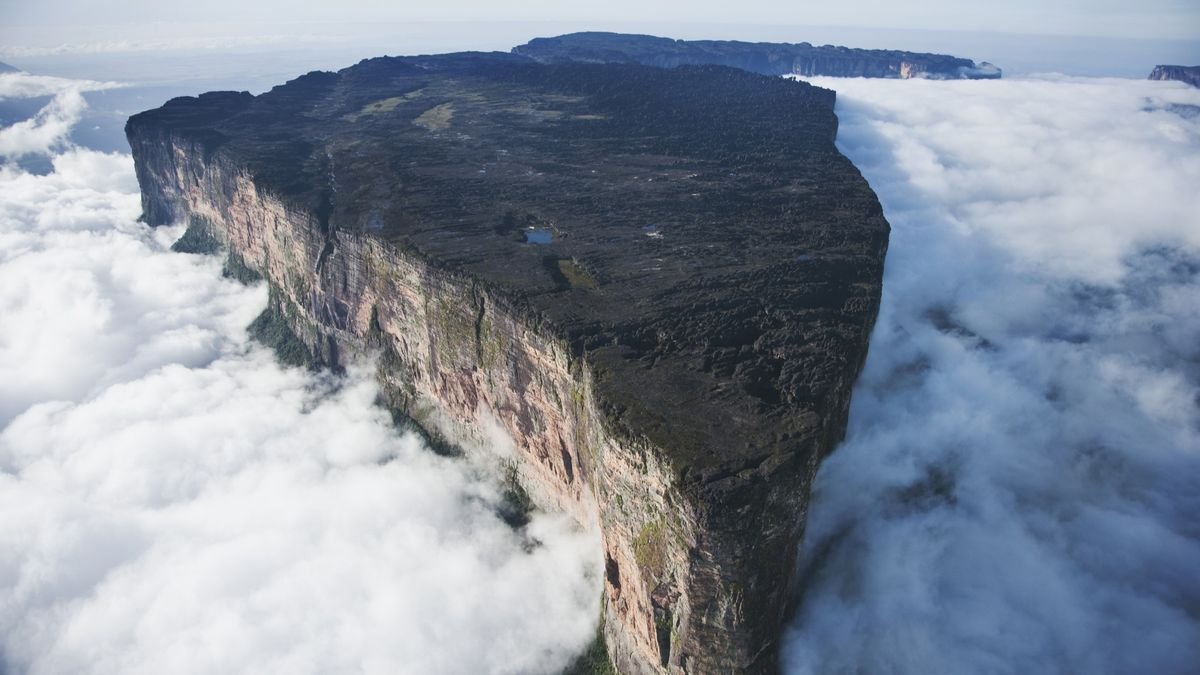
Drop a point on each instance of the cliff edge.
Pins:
(1186, 74)
(767, 58)
(659, 283)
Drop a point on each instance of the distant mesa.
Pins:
(1188, 74)
(767, 58)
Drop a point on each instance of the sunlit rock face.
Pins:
(658, 284)
(767, 58)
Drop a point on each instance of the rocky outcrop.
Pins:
(659, 284)
(1187, 74)
(766, 58)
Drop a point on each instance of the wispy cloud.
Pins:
(49, 129)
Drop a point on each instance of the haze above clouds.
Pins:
(1114, 18)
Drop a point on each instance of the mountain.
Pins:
(767, 58)
(1188, 74)
(5, 68)
(659, 283)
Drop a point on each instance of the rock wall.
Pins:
(697, 570)
(1186, 74)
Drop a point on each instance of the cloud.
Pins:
(1020, 480)
(174, 501)
(24, 85)
(49, 129)
(178, 43)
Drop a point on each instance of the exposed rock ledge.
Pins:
(659, 283)
(1187, 74)
(767, 58)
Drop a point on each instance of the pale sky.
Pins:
(1153, 19)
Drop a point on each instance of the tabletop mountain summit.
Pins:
(767, 58)
(659, 283)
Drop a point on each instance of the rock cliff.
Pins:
(659, 283)
(766, 58)
(1187, 74)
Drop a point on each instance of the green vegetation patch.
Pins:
(271, 329)
(384, 105)
(436, 118)
(650, 549)
(236, 268)
(197, 238)
(568, 273)
(594, 660)
(454, 329)
(575, 275)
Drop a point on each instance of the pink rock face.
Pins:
(460, 362)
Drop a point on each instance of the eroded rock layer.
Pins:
(659, 283)
(767, 58)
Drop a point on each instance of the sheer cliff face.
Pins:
(766, 58)
(1187, 74)
(658, 284)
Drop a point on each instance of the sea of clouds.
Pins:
(172, 501)
(1019, 489)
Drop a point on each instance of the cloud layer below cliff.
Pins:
(1018, 491)
(175, 502)
(1019, 487)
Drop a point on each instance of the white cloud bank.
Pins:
(175, 502)
(48, 130)
(1019, 491)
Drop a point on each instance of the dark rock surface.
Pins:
(767, 58)
(1186, 74)
(690, 239)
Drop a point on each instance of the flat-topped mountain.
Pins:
(768, 58)
(659, 282)
(1186, 74)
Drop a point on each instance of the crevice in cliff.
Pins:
(480, 309)
(324, 213)
(323, 256)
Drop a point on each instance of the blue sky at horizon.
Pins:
(1148, 19)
